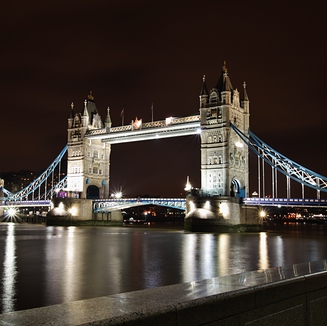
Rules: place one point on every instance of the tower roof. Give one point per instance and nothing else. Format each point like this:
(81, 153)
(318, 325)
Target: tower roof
(244, 93)
(204, 90)
(90, 107)
(224, 83)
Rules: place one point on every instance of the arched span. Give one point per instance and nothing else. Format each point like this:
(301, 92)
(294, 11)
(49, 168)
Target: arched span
(236, 189)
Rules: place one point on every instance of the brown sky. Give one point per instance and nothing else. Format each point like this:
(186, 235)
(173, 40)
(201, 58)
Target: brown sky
(134, 53)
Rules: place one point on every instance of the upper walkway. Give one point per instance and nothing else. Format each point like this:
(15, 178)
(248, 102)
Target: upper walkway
(138, 131)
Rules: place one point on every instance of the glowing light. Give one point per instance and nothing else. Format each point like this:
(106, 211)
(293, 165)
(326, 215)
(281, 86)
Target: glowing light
(192, 205)
(169, 121)
(224, 209)
(12, 212)
(73, 211)
(198, 131)
(238, 144)
(207, 205)
(118, 195)
(157, 136)
(188, 186)
(262, 214)
(61, 206)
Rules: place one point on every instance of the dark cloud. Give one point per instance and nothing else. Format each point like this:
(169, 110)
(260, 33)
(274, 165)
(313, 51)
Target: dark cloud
(134, 53)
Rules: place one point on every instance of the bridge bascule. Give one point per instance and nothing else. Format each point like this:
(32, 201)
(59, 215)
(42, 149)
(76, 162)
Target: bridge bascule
(223, 126)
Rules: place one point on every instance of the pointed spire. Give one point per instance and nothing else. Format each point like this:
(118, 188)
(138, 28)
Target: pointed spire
(244, 94)
(204, 90)
(90, 97)
(224, 83)
(72, 110)
(85, 113)
(108, 119)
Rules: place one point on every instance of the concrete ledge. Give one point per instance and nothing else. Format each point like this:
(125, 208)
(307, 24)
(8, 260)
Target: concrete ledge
(291, 295)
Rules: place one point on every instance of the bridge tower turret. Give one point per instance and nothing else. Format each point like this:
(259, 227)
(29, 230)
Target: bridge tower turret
(88, 159)
(224, 159)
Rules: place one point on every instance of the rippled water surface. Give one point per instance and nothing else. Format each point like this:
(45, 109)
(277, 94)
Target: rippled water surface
(43, 266)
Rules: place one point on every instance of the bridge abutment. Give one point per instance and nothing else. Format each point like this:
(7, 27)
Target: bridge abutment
(220, 214)
(71, 211)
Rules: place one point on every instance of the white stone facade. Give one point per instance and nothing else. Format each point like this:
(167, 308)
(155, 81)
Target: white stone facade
(88, 160)
(224, 157)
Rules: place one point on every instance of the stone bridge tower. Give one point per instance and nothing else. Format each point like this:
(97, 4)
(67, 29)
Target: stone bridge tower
(88, 160)
(224, 158)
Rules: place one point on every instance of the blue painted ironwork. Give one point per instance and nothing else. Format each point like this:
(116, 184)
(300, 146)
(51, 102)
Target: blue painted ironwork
(283, 164)
(20, 195)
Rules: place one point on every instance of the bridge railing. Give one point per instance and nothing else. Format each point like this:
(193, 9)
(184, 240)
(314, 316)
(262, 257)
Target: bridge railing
(285, 201)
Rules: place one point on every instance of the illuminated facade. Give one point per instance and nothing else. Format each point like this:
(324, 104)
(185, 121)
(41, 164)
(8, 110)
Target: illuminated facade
(224, 159)
(88, 159)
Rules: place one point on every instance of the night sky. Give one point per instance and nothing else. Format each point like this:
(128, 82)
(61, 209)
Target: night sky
(135, 53)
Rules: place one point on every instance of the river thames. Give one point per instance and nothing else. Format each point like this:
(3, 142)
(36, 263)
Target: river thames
(43, 266)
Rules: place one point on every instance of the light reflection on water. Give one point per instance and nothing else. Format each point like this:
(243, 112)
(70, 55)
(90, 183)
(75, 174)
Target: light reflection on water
(9, 270)
(48, 265)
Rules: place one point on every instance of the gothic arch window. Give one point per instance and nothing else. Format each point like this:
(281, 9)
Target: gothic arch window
(215, 160)
(209, 139)
(96, 154)
(215, 139)
(220, 139)
(95, 170)
(213, 97)
(220, 159)
(219, 113)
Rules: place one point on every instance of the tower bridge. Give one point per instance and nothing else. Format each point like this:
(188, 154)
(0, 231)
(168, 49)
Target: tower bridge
(223, 197)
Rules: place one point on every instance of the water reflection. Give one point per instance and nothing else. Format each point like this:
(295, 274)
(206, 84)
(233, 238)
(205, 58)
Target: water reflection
(223, 253)
(63, 264)
(9, 270)
(263, 251)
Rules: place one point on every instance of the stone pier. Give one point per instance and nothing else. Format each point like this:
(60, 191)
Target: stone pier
(71, 211)
(220, 214)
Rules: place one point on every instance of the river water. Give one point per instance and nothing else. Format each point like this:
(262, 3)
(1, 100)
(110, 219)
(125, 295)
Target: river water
(42, 266)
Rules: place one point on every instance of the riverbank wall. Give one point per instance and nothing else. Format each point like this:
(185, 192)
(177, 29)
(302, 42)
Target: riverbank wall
(293, 295)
